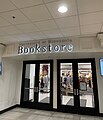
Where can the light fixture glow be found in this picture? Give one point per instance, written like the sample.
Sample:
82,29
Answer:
62,9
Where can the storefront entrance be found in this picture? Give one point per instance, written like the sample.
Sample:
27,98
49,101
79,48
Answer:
37,84
77,86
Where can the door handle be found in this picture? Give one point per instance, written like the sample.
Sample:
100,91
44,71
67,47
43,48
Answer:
36,89
75,92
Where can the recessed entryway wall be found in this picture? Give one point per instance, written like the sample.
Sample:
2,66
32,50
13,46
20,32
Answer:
55,74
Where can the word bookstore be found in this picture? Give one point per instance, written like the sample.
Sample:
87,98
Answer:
37,48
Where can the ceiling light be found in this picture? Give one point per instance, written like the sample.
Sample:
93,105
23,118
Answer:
62,9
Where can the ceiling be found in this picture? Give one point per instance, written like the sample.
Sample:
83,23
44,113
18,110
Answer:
24,20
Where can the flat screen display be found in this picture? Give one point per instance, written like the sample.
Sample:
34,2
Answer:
101,66
0,68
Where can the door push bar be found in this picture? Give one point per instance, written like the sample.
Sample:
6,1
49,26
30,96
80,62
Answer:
76,92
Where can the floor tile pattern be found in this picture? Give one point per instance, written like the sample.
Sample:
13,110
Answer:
33,114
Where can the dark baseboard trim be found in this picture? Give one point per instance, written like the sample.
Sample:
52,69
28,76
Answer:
18,105
54,109
7,109
101,114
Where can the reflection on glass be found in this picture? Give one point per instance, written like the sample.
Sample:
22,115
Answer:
29,83
66,75
85,85
44,83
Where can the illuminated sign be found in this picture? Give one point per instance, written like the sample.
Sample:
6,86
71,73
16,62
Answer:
51,48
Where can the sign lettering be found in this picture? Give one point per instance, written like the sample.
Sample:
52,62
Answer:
45,49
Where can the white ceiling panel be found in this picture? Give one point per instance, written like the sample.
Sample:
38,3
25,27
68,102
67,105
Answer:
92,18
2,32
85,6
37,13
67,22
40,19
91,29
71,5
74,31
53,34
102,29
6,5
37,35
46,25
3,22
19,17
47,1
27,27
22,37
17,38
11,30
2,40
8,39
26,3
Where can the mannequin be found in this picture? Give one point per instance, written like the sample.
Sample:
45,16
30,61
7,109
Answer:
46,80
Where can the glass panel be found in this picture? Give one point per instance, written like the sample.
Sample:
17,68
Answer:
66,75
29,83
85,85
44,83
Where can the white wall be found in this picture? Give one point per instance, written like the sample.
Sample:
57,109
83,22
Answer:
8,83
19,81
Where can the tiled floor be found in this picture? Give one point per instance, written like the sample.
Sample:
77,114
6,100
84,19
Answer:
31,114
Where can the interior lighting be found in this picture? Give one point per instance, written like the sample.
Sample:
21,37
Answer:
62,9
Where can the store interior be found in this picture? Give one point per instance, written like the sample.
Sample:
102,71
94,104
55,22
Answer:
43,89
85,82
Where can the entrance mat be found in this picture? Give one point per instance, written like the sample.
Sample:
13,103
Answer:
45,100
82,102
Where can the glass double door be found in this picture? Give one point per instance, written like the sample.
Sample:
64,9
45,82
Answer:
37,84
77,86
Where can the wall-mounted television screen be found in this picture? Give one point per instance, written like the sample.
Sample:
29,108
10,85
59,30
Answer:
0,68
101,66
